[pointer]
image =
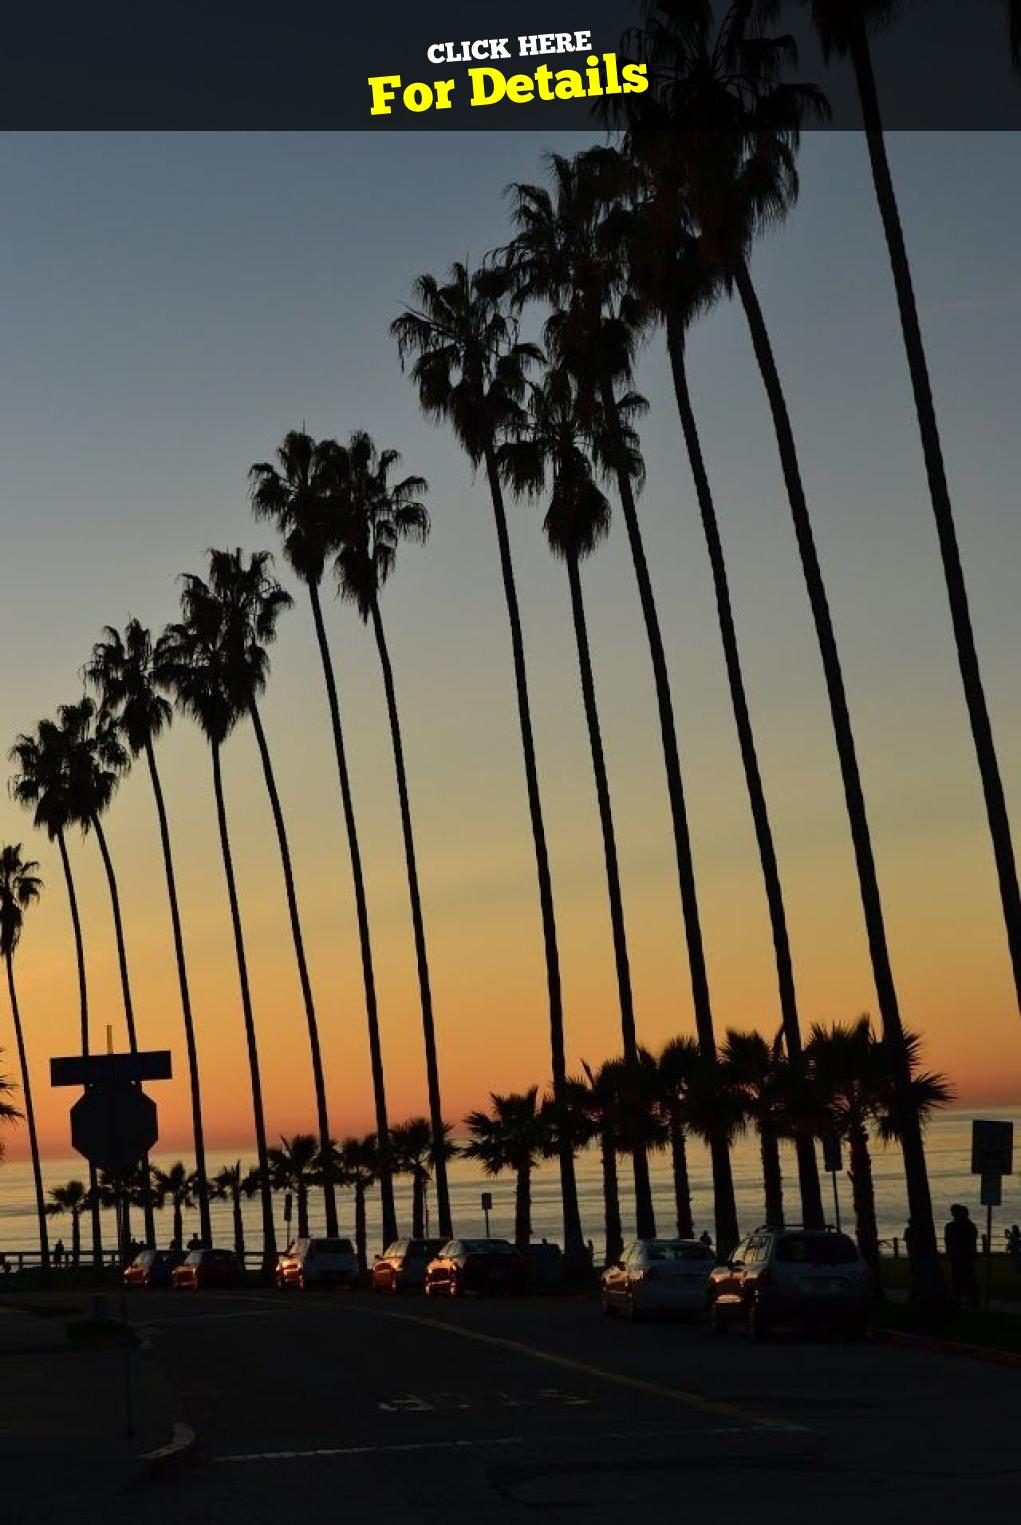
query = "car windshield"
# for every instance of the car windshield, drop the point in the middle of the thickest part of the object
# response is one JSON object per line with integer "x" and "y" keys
{"x": 194, "y": 1258}
{"x": 676, "y": 1249}
{"x": 330, "y": 1247}
{"x": 146, "y": 1258}
{"x": 816, "y": 1250}
{"x": 488, "y": 1247}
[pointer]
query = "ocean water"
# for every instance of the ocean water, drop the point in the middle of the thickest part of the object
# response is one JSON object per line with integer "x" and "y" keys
{"x": 948, "y": 1149}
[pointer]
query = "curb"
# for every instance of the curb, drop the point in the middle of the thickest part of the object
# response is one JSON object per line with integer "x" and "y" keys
{"x": 947, "y": 1347}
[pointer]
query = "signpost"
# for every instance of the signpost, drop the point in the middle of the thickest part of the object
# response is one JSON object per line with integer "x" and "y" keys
{"x": 487, "y": 1204}
{"x": 288, "y": 1209}
{"x": 833, "y": 1162}
{"x": 114, "y": 1125}
{"x": 992, "y": 1158}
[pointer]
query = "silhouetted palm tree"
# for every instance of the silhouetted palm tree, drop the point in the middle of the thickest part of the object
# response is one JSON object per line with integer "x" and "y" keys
{"x": 566, "y": 253}
{"x": 211, "y": 665}
{"x": 740, "y": 177}
{"x": 121, "y": 670}
{"x": 595, "y": 1106}
{"x": 469, "y": 367}
{"x": 376, "y": 515}
{"x": 295, "y": 1166}
{"x": 755, "y": 1067}
{"x": 176, "y": 1185}
{"x": 229, "y": 1185}
{"x": 679, "y": 1061}
{"x": 20, "y": 887}
{"x": 41, "y": 783}
{"x": 515, "y": 1136}
{"x": 844, "y": 29}
{"x": 358, "y": 1161}
{"x": 413, "y": 1147}
{"x": 298, "y": 493}
{"x": 71, "y": 1198}
{"x": 556, "y": 443}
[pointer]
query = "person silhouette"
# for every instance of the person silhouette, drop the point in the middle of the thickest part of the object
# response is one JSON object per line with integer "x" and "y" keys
{"x": 961, "y": 1239}
{"x": 58, "y": 1254}
{"x": 1014, "y": 1245}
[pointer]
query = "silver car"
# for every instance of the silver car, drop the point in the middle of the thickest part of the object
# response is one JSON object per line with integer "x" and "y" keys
{"x": 809, "y": 1277}
{"x": 658, "y": 1276}
{"x": 317, "y": 1263}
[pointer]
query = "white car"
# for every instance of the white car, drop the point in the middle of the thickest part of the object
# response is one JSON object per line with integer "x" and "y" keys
{"x": 317, "y": 1263}
{"x": 659, "y": 1276}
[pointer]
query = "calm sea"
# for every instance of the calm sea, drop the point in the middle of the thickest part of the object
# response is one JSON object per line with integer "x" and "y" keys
{"x": 948, "y": 1149}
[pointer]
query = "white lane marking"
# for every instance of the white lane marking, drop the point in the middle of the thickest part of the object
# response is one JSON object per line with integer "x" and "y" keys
{"x": 421, "y": 1403}
{"x": 481, "y": 1445}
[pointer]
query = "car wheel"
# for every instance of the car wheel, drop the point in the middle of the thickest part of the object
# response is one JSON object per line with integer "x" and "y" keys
{"x": 718, "y": 1320}
{"x": 300, "y": 1281}
{"x": 857, "y": 1328}
{"x": 758, "y": 1324}
{"x": 609, "y": 1311}
{"x": 631, "y": 1309}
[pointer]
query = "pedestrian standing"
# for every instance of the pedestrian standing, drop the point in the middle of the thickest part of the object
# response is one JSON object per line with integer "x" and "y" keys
{"x": 961, "y": 1239}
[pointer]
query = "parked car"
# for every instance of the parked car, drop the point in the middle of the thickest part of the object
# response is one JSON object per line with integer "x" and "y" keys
{"x": 317, "y": 1263}
{"x": 402, "y": 1264}
{"x": 808, "y": 1277}
{"x": 207, "y": 1268}
{"x": 658, "y": 1276}
{"x": 476, "y": 1265}
{"x": 151, "y": 1268}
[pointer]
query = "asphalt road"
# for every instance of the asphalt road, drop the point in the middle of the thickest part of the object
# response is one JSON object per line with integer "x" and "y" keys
{"x": 325, "y": 1405}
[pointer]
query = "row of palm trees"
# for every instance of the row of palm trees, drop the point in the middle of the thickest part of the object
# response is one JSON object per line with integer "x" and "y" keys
{"x": 653, "y": 231}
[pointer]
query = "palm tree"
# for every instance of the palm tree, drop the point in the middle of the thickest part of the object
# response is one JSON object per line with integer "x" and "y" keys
{"x": 594, "y": 1113}
{"x": 844, "y": 29}
{"x": 376, "y": 516}
{"x": 469, "y": 367}
{"x": 555, "y": 442}
{"x": 679, "y": 1062}
{"x": 121, "y": 668}
{"x": 176, "y": 1185}
{"x": 228, "y": 1185}
{"x": 42, "y": 784}
{"x": 515, "y": 1135}
{"x": 740, "y": 178}
{"x": 413, "y": 1145}
{"x": 358, "y": 1167}
{"x": 755, "y": 1067}
{"x": 298, "y": 493}
{"x": 71, "y": 1198}
{"x": 295, "y": 1166}
{"x": 20, "y": 887}
{"x": 566, "y": 253}
{"x": 204, "y": 661}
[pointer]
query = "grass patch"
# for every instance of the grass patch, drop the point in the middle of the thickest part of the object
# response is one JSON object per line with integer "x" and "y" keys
{"x": 990, "y": 1331}
{"x": 1005, "y": 1281}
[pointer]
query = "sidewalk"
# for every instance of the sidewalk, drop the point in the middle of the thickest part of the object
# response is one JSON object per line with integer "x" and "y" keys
{"x": 64, "y": 1448}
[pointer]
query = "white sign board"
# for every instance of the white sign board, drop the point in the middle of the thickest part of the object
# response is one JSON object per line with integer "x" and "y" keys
{"x": 992, "y": 1147}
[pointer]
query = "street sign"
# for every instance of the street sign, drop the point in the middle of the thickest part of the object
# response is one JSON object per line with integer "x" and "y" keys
{"x": 288, "y": 1207}
{"x": 992, "y": 1188}
{"x": 114, "y": 1127}
{"x": 831, "y": 1156}
{"x": 992, "y": 1147}
{"x": 487, "y": 1201}
{"x": 110, "y": 1069}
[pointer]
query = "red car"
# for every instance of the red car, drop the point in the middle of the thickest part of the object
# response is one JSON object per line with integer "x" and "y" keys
{"x": 151, "y": 1268}
{"x": 207, "y": 1268}
{"x": 476, "y": 1265}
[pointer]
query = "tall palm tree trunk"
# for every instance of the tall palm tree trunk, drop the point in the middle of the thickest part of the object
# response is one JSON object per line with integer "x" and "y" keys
{"x": 574, "y": 1247}
{"x": 418, "y": 1189}
{"x": 33, "y": 1140}
{"x": 719, "y": 1149}
{"x": 239, "y": 1224}
{"x": 645, "y": 1218}
{"x": 772, "y": 1176}
{"x": 385, "y": 1165}
{"x": 361, "y": 1234}
{"x": 301, "y": 1192}
{"x": 939, "y": 492}
{"x": 926, "y": 1274}
{"x": 76, "y": 1236}
{"x": 83, "y": 1010}
{"x": 129, "y": 1017}
{"x": 266, "y": 1200}
{"x": 863, "y": 1197}
{"x": 318, "y": 1076}
{"x": 523, "y": 1207}
{"x": 201, "y": 1181}
{"x": 808, "y": 1168}
{"x": 432, "y": 1068}
{"x": 682, "y": 1183}
{"x": 611, "y": 1198}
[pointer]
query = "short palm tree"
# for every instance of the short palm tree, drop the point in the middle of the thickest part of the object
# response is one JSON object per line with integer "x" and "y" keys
{"x": 176, "y": 1185}
{"x": 211, "y": 664}
{"x": 41, "y": 783}
{"x": 679, "y": 1062}
{"x": 121, "y": 668}
{"x": 20, "y": 887}
{"x": 469, "y": 366}
{"x": 70, "y": 1198}
{"x": 566, "y": 253}
{"x": 413, "y": 1145}
{"x": 740, "y": 178}
{"x": 297, "y": 491}
{"x": 558, "y": 443}
{"x": 594, "y": 1112}
{"x": 376, "y": 515}
{"x": 358, "y": 1168}
{"x": 513, "y": 1135}
{"x": 844, "y": 29}
{"x": 229, "y": 1184}
{"x": 295, "y": 1166}
{"x": 755, "y": 1067}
